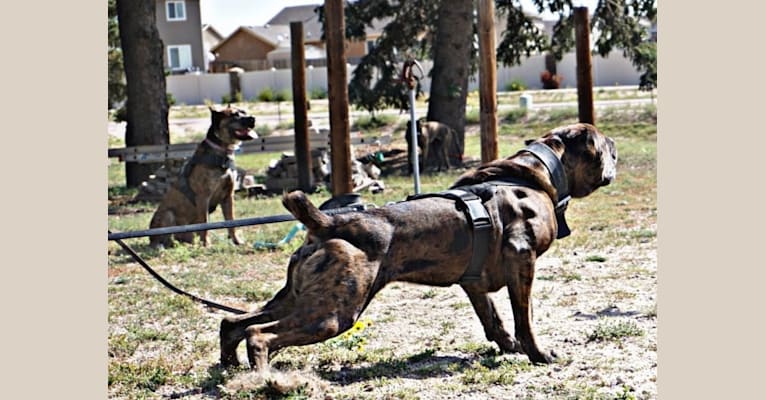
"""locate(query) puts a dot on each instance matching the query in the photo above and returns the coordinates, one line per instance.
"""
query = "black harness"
(210, 156)
(470, 200)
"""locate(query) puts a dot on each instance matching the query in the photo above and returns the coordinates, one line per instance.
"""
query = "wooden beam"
(340, 150)
(585, 108)
(300, 113)
(487, 81)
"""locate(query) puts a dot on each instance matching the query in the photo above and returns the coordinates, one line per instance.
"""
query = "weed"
(516, 115)
(352, 339)
(614, 330)
(146, 376)
(595, 258)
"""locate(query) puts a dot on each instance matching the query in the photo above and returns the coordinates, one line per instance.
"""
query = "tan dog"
(206, 180)
(347, 258)
(434, 139)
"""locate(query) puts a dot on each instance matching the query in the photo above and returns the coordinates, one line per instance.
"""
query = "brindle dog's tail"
(301, 208)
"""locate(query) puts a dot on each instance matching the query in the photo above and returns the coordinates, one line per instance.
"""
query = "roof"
(312, 29)
(277, 31)
(210, 29)
(274, 35)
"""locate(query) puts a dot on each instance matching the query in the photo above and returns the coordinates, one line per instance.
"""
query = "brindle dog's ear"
(215, 115)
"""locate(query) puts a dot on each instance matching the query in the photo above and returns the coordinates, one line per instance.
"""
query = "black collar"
(555, 168)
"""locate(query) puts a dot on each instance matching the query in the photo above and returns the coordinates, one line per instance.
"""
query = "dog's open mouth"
(245, 134)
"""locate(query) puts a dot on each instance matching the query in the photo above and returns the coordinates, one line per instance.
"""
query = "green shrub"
(515, 85)
(267, 94)
(227, 99)
(317, 93)
(283, 95)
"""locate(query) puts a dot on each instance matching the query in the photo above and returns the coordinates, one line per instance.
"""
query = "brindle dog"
(347, 258)
(434, 139)
(206, 180)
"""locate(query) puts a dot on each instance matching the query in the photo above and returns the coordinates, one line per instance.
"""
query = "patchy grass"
(423, 342)
(614, 330)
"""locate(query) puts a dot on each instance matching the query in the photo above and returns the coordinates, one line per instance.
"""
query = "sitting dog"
(347, 258)
(206, 179)
(434, 139)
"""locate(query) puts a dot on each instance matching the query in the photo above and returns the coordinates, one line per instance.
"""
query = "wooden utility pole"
(585, 109)
(300, 113)
(340, 130)
(487, 81)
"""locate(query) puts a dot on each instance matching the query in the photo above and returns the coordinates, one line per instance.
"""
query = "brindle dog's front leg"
(493, 325)
(227, 206)
(203, 201)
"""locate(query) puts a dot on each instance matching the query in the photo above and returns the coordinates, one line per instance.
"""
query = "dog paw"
(543, 358)
(509, 345)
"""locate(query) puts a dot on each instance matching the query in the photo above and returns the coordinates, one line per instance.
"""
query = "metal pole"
(414, 141)
(221, 224)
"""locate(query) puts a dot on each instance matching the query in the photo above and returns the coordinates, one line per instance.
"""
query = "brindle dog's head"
(231, 125)
(589, 157)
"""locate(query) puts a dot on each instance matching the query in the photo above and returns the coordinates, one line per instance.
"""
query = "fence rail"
(269, 144)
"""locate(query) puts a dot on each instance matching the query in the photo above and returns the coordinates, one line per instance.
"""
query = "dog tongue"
(247, 133)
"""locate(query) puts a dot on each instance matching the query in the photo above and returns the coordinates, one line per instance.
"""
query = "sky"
(227, 15)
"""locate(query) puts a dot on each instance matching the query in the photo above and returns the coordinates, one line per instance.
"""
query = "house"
(210, 38)
(180, 28)
(268, 46)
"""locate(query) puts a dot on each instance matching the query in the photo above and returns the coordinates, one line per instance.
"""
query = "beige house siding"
(186, 32)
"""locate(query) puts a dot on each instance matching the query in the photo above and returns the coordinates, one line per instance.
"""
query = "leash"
(118, 236)
(170, 286)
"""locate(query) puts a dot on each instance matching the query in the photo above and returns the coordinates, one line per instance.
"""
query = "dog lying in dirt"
(206, 179)
(434, 139)
(348, 258)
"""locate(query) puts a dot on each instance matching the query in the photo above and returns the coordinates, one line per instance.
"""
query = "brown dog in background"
(206, 180)
(434, 139)
(348, 258)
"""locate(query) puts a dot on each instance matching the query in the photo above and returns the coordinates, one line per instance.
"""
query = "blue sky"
(228, 15)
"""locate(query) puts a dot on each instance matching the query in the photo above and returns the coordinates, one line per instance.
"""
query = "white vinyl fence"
(194, 89)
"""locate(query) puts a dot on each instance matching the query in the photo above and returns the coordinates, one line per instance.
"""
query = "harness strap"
(481, 226)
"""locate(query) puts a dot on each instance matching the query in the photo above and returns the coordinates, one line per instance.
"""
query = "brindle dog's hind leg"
(493, 325)
(520, 291)
(233, 327)
(332, 287)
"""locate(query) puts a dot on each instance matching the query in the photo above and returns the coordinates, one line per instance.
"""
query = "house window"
(179, 57)
(370, 46)
(176, 10)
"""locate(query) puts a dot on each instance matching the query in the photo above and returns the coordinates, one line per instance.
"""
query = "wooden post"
(300, 113)
(337, 93)
(487, 81)
(584, 68)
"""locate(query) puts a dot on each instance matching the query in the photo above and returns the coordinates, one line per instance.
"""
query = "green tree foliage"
(116, 78)
(411, 27)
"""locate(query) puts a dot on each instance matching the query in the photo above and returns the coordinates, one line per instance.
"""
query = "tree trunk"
(147, 105)
(449, 76)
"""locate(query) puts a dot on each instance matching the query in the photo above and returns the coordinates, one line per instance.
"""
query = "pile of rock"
(282, 174)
